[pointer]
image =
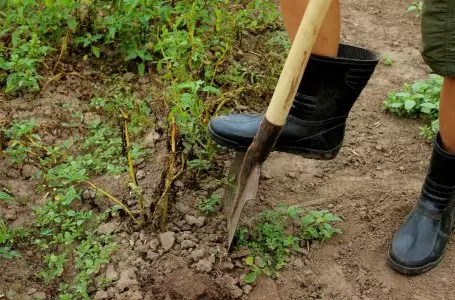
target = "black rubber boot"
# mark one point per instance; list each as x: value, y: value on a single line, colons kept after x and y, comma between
x: 316, y: 123
x: 419, y: 243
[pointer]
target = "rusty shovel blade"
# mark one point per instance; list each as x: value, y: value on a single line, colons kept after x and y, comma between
x: 231, y: 187
x: 248, y: 168
x: 246, y: 192
x: 237, y: 195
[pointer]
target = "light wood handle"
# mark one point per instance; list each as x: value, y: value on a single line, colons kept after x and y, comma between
x: 296, y: 62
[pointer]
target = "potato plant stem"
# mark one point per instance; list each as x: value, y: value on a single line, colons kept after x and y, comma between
x: 115, y: 200
x: 134, y: 184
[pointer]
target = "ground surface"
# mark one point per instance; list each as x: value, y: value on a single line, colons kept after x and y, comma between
x: 373, y: 184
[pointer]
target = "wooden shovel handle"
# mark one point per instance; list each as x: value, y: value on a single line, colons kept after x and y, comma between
x: 296, y: 62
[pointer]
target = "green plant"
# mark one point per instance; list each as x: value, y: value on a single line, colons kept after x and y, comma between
x: 416, y: 7
x: 317, y: 225
x: 64, y: 232
x: 168, y: 34
x: 280, y: 233
x: 209, y: 205
x: 61, y: 225
x: 190, y: 114
x: 6, y: 197
x: 258, y: 15
x: 388, y: 61
x: 170, y: 37
x: 7, y: 238
x: 279, y: 39
x: 418, y: 100
x: 188, y: 44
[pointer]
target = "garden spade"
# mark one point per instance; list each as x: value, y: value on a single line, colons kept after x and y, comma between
x: 247, y: 166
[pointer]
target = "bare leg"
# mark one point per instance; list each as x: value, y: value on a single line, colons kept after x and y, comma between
x: 329, y: 35
x: 447, y: 114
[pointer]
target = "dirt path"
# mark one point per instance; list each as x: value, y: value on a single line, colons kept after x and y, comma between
x: 373, y: 183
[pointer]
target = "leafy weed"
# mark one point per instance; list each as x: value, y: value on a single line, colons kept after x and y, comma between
x: 418, y: 100
x: 209, y: 205
x: 280, y: 233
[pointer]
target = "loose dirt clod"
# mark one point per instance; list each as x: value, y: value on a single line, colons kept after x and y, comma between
x: 39, y: 296
x: 130, y: 295
x: 205, y: 265
x: 150, y: 139
x: 200, y: 221
x: 190, y: 219
x: 188, y: 285
x: 140, y: 174
x: 101, y: 295
x: 29, y: 170
x: 167, y: 240
x: 110, y: 227
x: 187, y: 244
x: 197, y: 254
x: 154, y: 244
x: 152, y: 256
x: 247, y: 289
x: 111, y: 274
x: 127, y: 280
x: 10, y: 214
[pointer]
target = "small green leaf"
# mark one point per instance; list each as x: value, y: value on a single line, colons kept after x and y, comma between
x: 396, y: 105
x: 96, y: 51
x: 251, y: 277
x: 435, y: 126
x: 403, y: 95
x: 332, y: 218
x: 313, y: 232
x: 8, y: 254
x: 307, y: 220
x: 429, y: 105
x: 249, y: 261
x: 72, y: 24
x: 186, y: 100
x: 409, y: 104
x: 112, y: 32
x: 132, y: 54
x: 6, y: 197
x: 141, y: 69
x: 267, y: 271
x: 211, y: 89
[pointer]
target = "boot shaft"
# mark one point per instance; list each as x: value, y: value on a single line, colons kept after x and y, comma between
x: 316, y: 123
x: 439, y: 186
x: 331, y: 85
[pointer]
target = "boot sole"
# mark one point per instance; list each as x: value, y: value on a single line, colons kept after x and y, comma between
x: 304, y: 152
x: 412, y: 270
x: 416, y: 270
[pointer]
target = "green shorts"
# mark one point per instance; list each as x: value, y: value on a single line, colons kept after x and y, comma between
x: 438, y: 36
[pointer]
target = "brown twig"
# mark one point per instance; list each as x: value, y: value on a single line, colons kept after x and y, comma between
x: 163, y: 202
x: 222, y: 58
x: 60, y: 75
x: 221, y: 101
x: 63, y: 48
x: 134, y: 185
x: 115, y: 200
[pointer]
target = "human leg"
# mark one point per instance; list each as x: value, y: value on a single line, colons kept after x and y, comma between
x: 420, y: 242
